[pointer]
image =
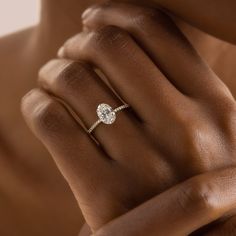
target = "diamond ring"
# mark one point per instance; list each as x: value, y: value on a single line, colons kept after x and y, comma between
x: 106, y: 114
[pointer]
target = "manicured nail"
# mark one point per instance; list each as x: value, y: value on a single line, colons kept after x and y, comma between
x: 87, y: 12
x: 61, y: 52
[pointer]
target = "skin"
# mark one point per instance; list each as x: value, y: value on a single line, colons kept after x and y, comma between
x: 29, y: 178
x: 191, y: 204
x: 41, y: 163
x: 209, y: 20
x: 141, y: 134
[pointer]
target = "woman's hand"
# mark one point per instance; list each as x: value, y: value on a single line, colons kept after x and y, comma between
x: 182, y: 121
x: 187, y: 109
x: 183, y: 209
x: 214, y: 17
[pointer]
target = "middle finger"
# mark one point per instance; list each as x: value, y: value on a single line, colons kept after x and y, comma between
x: 130, y: 71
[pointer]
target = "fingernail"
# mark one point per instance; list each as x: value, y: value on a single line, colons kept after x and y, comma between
x: 61, y: 52
x: 87, y: 12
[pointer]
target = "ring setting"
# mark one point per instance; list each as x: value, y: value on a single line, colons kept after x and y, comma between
x: 106, y: 115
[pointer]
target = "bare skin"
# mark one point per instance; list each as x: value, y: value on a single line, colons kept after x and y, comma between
x: 182, y: 209
x: 133, y: 152
x: 31, y: 175
x: 29, y: 81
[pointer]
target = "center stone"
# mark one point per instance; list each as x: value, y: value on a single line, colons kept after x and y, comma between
x: 106, y: 114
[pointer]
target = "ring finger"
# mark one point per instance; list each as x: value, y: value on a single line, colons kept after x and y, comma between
x: 81, y: 88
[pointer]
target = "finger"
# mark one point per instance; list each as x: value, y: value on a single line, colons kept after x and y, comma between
x: 76, y: 155
x: 132, y: 74
x: 164, y: 43
x: 79, y: 86
x: 182, y: 209
x: 205, y: 15
x: 201, y: 14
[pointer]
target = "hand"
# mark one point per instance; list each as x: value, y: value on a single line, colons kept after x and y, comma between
x: 188, y: 207
x: 205, y: 15
x: 182, y: 209
x: 146, y: 150
x: 180, y: 100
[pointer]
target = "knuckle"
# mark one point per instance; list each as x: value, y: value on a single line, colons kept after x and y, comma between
x: 73, y: 75
x: 199, y: 195
x: 47, y: 117
x: 148, y: 17
x: 225, y: 116
x: 48, y: 70
x: 109, y: 38
x: 226, y: 103
x: 194, y: 135
x: 228, y: 110
x: 62, y: 73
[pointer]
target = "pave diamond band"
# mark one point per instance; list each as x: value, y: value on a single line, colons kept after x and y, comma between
x: 106, y: 114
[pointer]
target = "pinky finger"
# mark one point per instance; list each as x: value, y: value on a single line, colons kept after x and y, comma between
x: 76, y: 155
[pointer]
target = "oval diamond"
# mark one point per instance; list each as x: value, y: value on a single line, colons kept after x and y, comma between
x: 106, y: 114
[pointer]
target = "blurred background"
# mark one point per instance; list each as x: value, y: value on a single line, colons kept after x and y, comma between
x: 17, y: 14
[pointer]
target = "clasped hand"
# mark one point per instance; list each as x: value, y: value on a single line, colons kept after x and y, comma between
x: 180, y: 130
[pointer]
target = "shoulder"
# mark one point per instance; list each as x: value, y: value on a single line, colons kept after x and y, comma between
x: 14, y: 39
x: 12, y: 46
x: 12, y: 54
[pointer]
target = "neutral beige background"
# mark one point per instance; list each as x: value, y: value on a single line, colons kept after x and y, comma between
x: 17, y: 14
